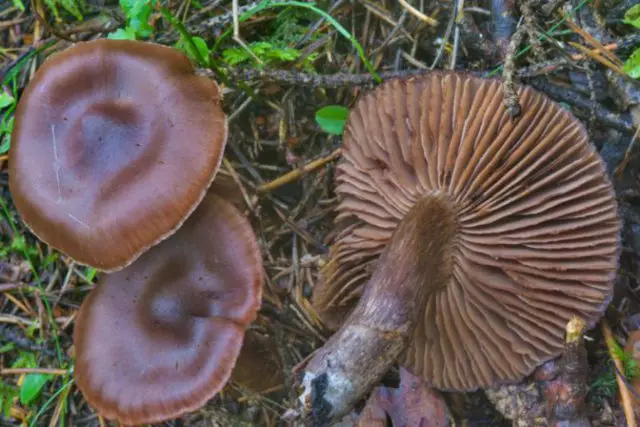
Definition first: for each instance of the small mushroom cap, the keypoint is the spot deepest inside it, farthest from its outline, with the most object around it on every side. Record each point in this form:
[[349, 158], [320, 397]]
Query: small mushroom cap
[[538, 229], [115, 143], [258, 367], [161, 337]]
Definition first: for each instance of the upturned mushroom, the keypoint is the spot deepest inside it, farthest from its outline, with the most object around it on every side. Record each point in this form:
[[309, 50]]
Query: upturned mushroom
[[115, 143], [468, 240], [162, 336]]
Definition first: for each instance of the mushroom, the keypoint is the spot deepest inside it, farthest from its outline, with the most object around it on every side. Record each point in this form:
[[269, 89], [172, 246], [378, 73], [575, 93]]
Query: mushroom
[[258, 367], [115, 143], [468, 239], [161, 337]]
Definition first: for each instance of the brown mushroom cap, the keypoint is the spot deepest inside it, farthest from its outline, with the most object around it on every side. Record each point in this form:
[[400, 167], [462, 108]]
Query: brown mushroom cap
[[115, 143], [537, 222], [258, 367], [161, 337]]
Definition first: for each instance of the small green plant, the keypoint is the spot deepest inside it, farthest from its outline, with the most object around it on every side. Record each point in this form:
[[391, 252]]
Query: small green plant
[[195, 48], [311, 7], [18, 245], [32, 384], [291, 24], [606, 385], [7, 392], [137, 13], [7, 395], [8, 102], [266, 51], [276, 47], [632, 64], [332, 118]]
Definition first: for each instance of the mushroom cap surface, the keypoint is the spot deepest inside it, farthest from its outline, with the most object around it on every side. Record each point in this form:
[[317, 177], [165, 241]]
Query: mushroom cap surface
[[115, 143], [161, 337], [538, 228]]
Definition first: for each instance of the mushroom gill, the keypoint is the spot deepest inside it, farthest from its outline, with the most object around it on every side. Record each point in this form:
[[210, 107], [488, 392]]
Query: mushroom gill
[[537, 225]]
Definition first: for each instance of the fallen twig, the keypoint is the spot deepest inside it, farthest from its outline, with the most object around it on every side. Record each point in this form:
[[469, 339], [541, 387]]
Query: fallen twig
[[297, 173], [595, 55], [594, 42], [621, 122], [511, 102], [503, 22], [415, 12], [627, 154], [20, 371]]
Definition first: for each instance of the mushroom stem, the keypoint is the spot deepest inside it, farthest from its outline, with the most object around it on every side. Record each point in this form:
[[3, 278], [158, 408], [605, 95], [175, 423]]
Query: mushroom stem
[[566, 395], [382, 324]]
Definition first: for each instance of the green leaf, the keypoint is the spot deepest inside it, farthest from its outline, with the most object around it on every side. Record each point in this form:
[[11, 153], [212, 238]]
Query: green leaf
[[54, 8], [19, 5], [126, 33], [203, 50], [5, 145], [332, 118], [138, 13], [6, 126], [283, 54], [32, 386], [632, 65], [91, 274], [6, 100], [235, 55], [202, 47], [632, 17], [7, 347]]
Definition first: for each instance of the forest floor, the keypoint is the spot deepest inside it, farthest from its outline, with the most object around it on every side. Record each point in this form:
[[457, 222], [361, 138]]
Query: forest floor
[[306, 56]]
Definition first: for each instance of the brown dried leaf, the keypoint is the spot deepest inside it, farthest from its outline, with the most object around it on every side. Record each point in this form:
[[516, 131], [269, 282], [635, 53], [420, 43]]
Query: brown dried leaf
[[413, 404]]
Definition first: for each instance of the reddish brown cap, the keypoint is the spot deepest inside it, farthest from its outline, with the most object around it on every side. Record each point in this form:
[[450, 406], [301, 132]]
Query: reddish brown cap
[[536, 215], [115, 143], [161, 337]]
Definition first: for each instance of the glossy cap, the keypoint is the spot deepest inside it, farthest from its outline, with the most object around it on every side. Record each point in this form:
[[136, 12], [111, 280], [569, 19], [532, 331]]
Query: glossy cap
[[115, 143], [161, 337], [537, 224]]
